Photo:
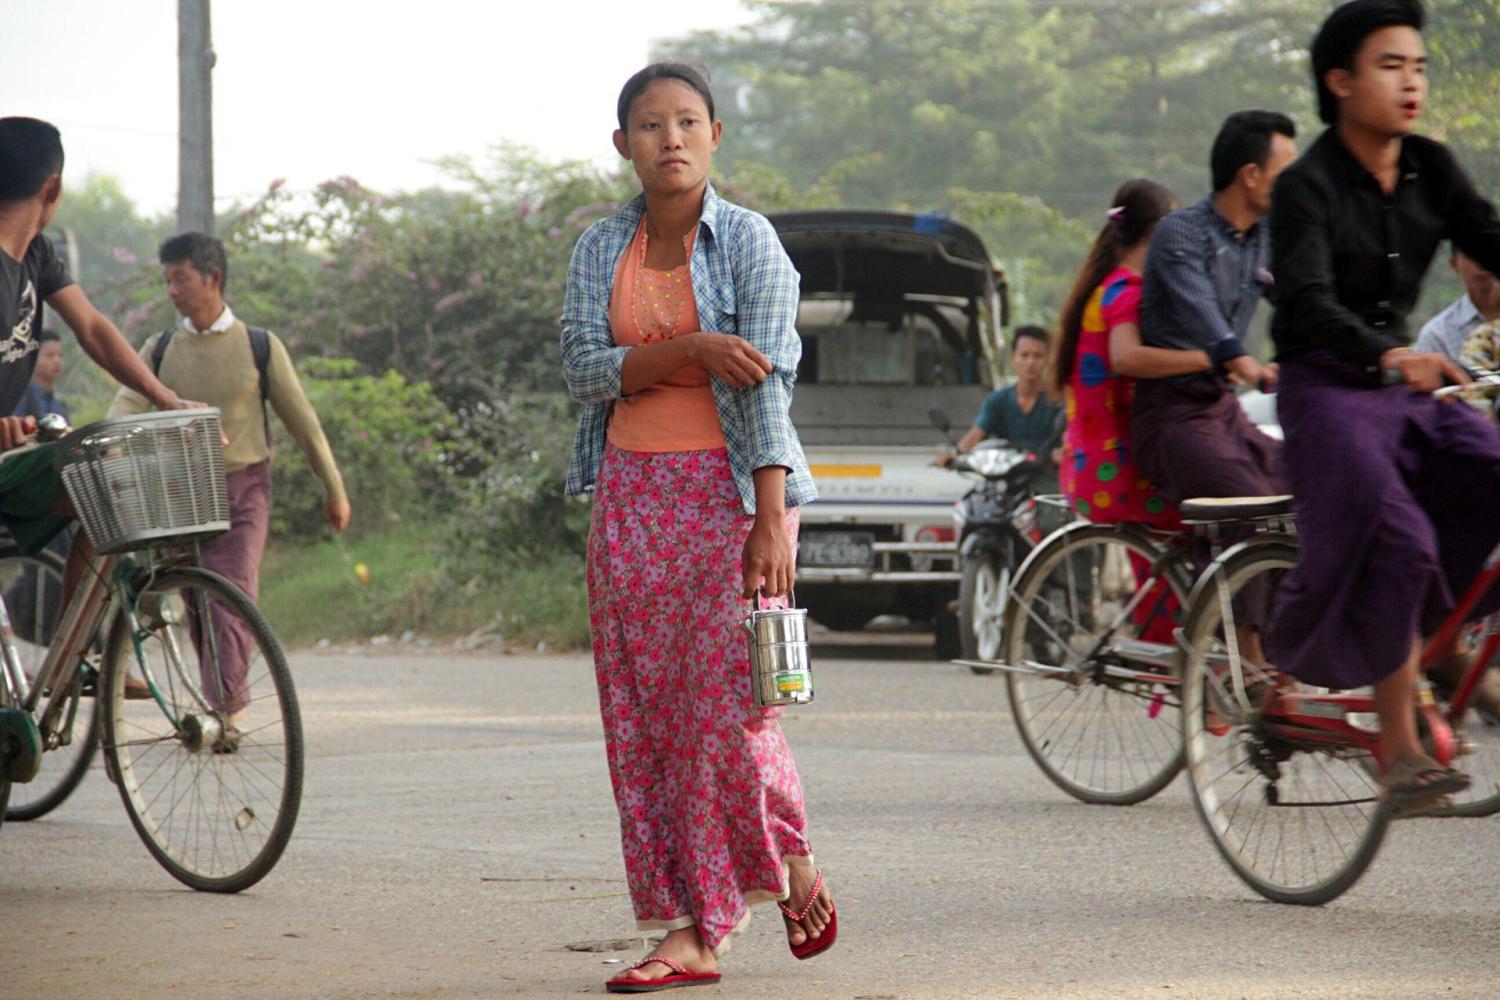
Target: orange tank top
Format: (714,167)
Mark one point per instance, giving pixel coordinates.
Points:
(645,306)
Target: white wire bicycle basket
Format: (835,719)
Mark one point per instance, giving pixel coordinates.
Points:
(141,480)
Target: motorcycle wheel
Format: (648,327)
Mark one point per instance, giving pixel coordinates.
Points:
(983,590)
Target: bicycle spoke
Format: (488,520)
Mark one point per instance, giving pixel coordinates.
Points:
(1290,818)
(1100,734)
(215,805)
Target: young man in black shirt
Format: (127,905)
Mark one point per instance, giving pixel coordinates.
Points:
(32,501)
(1396,493)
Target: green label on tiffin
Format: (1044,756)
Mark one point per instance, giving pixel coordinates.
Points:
(788,683)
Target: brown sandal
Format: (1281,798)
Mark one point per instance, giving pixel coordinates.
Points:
(1418,780)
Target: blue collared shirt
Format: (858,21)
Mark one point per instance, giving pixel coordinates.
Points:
(1202,282)
(744,284)
(1446,332)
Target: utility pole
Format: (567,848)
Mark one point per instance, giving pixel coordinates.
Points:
(195,118)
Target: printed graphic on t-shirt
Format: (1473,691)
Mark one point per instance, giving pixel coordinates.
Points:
(21,340)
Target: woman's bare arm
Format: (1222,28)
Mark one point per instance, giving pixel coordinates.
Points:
(726,356)
(1128,356)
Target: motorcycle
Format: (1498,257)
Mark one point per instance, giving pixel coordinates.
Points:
(998,522)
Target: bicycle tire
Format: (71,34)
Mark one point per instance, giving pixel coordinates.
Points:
(269,751)
(1336,785)
(1120,771)
(1480,806)
(62,768)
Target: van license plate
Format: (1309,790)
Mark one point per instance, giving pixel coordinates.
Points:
(837,548)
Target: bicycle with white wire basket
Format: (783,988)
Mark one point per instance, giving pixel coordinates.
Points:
(200,725)
(1285,776)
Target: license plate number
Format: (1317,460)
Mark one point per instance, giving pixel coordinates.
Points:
(837,548)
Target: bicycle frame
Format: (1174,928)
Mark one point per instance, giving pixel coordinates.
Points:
(101,594)
(80,621)
(1324,718)
(1158,658)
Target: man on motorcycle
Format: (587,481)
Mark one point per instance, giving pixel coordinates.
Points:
(1020,413)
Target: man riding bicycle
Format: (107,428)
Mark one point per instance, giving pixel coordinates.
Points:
(1396,492)
(33,505)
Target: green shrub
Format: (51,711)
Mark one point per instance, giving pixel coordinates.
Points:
(508,460)
(386,435)
(310,591)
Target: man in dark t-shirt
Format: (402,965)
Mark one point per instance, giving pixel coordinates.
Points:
(25,285)
(1019,413)
(32,502)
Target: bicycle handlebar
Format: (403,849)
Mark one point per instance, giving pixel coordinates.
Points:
(50,427)
(1484,384)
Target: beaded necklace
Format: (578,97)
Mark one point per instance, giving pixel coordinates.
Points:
(660,300)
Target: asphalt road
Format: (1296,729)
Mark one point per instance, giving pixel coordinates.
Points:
(458,833)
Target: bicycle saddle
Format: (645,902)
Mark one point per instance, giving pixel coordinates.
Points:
(1235,508)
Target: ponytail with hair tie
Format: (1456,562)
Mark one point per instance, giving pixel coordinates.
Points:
(1136,208)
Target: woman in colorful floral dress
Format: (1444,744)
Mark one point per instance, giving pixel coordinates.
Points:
(679,339)
(1097,357)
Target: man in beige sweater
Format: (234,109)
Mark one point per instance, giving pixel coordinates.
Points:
(210,357)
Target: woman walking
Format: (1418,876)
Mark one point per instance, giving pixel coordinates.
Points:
(679,339)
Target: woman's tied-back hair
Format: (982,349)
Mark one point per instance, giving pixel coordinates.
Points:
(1339,40)
(1135,210)
(681,72)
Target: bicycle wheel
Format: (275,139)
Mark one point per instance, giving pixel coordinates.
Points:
(1298,821)
(1088,616)
(214,799)
(31,587)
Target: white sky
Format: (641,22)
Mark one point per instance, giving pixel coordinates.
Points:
(313,89)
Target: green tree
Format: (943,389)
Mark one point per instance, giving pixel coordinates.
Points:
(112,234)
(387,435)
(1021,116)
(460,287)
(111,238)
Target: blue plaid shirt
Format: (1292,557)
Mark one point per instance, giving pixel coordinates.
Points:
(1202,282)
(745,284)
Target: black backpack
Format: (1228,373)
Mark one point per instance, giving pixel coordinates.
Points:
(260,350)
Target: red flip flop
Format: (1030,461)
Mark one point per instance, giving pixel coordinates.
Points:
(813,945)
(680,977)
